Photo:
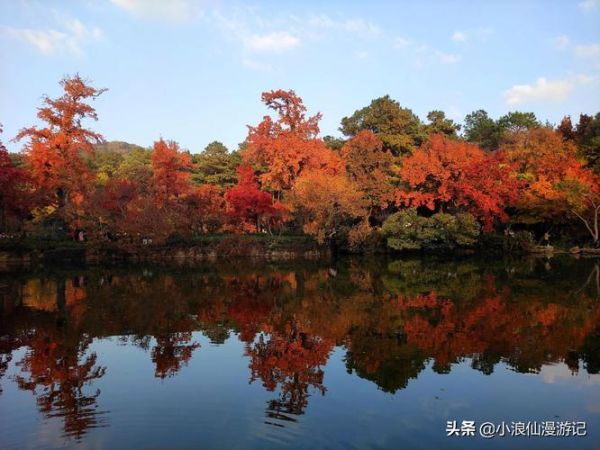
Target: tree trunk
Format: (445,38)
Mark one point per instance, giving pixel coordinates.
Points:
(594,229)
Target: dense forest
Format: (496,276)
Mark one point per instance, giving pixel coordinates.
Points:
(392,181)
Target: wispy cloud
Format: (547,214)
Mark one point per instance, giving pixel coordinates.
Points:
(279,41)
(459,36)
(544,90)
(446,58)
(259,35)
(357,26)
(476,34)
(163,10)
(69,38)
(424,54)
(401,42)
(587,51)
(588,5)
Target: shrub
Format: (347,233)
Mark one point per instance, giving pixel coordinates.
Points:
(406,230)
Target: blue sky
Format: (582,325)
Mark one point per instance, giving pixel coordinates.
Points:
(193,70)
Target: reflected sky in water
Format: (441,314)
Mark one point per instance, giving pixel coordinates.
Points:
(350,354)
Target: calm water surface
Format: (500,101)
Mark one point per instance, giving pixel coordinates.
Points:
(351,354)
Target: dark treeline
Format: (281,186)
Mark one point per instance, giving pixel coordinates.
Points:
(392,181)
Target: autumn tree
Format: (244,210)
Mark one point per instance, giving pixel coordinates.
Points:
(283,148)
(370,166)
(580,190)
(398,128)
(151,196)
(55,153)
(205,207)
(14,195)
(326,202)
(556,184)
(450,175)
(586,135)
(171,168)
(248,205)
(170,185)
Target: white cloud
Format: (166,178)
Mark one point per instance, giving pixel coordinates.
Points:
(361,27)
(480,34)
(69,39)
(587,51)
(322,21)
(401,42)
(357,26)
(277,34)
(446,58)
(542,90)
(166,10)
(587,5)
(279,41)
(249,32)
(459,36)
(561,42)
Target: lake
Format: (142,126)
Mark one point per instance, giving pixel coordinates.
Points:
(356,353)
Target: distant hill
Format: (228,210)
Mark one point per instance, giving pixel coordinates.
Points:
(120,147)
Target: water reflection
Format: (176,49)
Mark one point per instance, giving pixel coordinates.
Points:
(392,320)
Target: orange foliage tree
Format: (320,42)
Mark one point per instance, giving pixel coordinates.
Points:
(249,207)
(448,174)
(204,206)
(326,202)
(371,167)
(55,153)
(281,149)
(172,171)
(159,206)
(556,183)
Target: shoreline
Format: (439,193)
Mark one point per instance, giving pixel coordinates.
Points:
(212,249)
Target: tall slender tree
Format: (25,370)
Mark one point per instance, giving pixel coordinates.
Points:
(55,152)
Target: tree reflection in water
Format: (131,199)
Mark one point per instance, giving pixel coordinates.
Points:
(392,320)
(292,360)
(61,373)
